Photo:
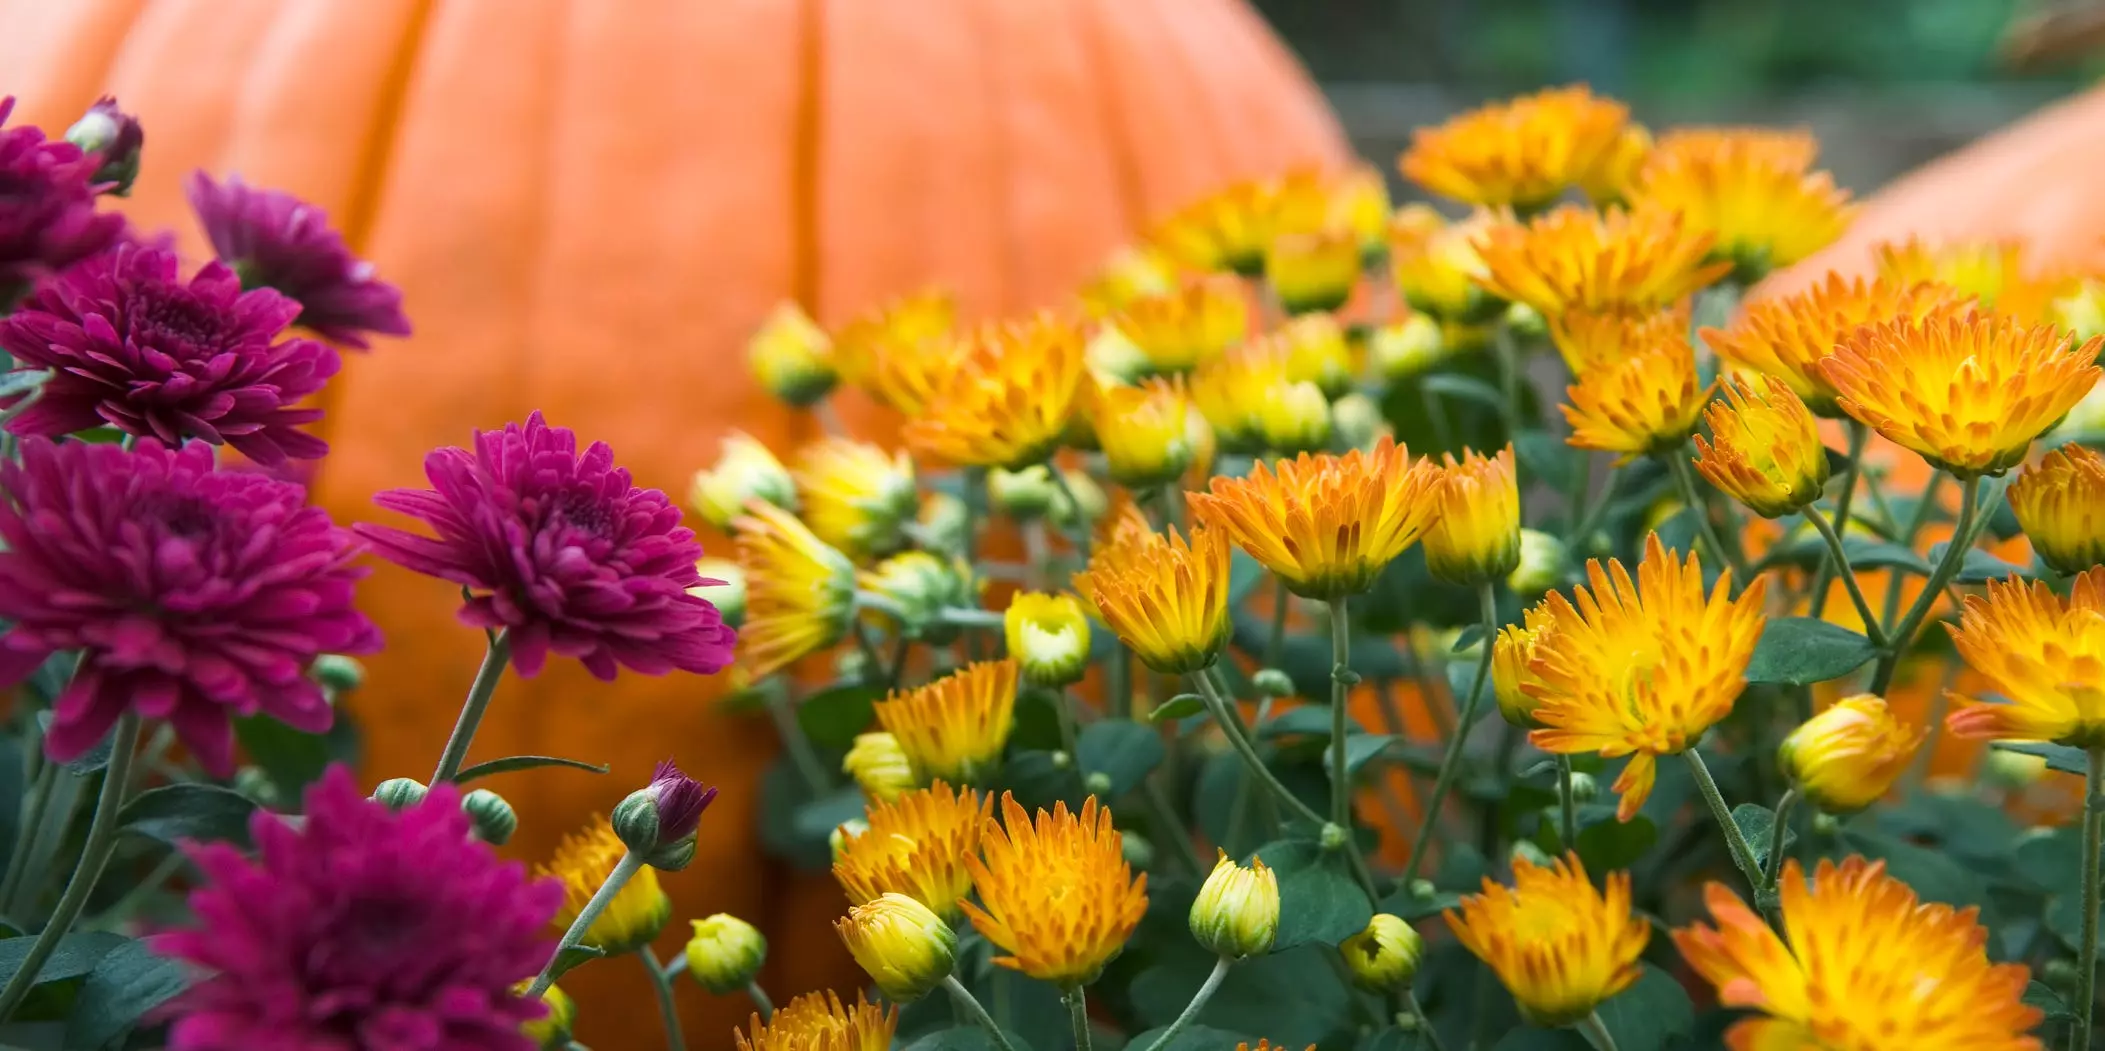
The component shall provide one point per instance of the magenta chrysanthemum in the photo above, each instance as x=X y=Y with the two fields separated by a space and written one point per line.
x=560 y=552
x=365 y=930
x=48 y=219
x=275 y=240
x=680 y=799
x=130 y=344
x=195 y=595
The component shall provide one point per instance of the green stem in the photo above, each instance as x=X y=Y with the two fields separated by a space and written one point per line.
x=1080 y=535
x=969 y=1004
x=661 y=981
x=798 y=746
x=630 y=864
x=1063 y=708
x=1779 y=833
x=471 y=712
x=970 y=618
x=1425 y=1025
x=1231 y=728
x=1838 y=560
x=1078 y=1016
x=1173 y=829
x=1198 y=1001
x=1595 y=510
x=1706 y=532
x=39 y=804
x=1925 y=505
x=1954 y=556
x=94 y=857
x=1341 y=679
x=1858 y=435
x=1451 y=764
x=1566 y=804
x=1735 y=841
x=2093 y=831
x=1597 y=1032
x=1118 y=681
x=761 y=1003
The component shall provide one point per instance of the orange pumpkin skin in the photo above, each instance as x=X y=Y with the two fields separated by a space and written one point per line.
x=589 y=206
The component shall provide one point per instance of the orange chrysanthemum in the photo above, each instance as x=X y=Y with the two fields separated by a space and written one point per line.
x=800 y=593
x=1524 y=152
x=901 y=352
x=1163 y=597
x=915 y=845
x=1142 y=430
x=1326 y=525
x=1750 y=190
x=820 y=1022
x=1436 y=265
x=1313 y=271
x=2060 y=502
x=1009 y=399
x=956 y=726
x=1578 y=259
x=2045 y=656
x=1474 y=536
x=1561 y=946
x=1863 y=966
x=1643 y=669
x=1788 y=337
x=1996 y=273
x=1179 y=330
x=1765 y=448
x=1513 y=664
x=1231 y=228
x=1966 y=390
x=1059 y=897
x=1645 y=402
x=1589 y=340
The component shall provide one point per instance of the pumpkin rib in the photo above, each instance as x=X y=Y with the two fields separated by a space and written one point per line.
x=1103 y=76
x=379 y=141
x=61 y=78
x=806 y=144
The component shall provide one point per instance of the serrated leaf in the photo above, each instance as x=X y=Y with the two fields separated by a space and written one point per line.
x=1182 y=706
x=832 y=717
x=1319 y=902
x=1800 y=651
x=514 y=763
x=125 y=985
x=189 y=812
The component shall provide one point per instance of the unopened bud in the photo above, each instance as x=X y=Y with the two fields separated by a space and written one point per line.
x=400 y=793
x=845 y=833
x=659 y=820
x=1237 y=911
x=1273 y=683
x=493 y=818
x=904 y=946
x=1525 y=321
x=1407 y=348
x=792 y=356
x=1583 y=787
x=1137 y=851
x=1385 y=955
x=551 y=1031
x=1543 y=560
x=115 y=137
x=728 y=595
x=881 y=767
x=338 y=673
x=1355 y=421
x=725 y=953
x=1097 y=783
x=1022 y=495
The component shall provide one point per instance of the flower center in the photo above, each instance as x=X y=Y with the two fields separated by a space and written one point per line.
x=185 y=515
x=583 y=512
x=174 y=322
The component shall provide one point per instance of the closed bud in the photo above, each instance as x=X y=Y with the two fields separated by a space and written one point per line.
x=1407 y=348
x=2056 y=501
x=1847 y=757
x=1272 y=682
x=1048 y=636
x=1022 y=495
x=881 y=767
x=1475 y=537
x=1513 y=678
x=1584 y=787
x=551 y=1031
x=1385 y=956
x=746 y=470
x=1356 y=422
x=1296 y=420
x=1543 y=562
x=851 y=665
x=493 y=817
x=2007 y=769
x=1764 y=448
x=400 y=793
x=659 y=820
x=728 y=590
x=1826 y=824
x=338 y=673
x=903 y=946
x=1114 y=354
x=115 y=137
x=1088 y=505
x=1526 y=322
x=1313 y=271
x=792 y=356
x=1097 y=783
x=940 y=526
x=919 y=586
x=845 y=833
x=1144 y=432
x=725 y=953
x=253 y=783
x=1237 y=911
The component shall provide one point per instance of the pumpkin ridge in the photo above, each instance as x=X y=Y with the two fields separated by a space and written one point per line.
x=804 y=154
x=1104 y=75
x=379 y=146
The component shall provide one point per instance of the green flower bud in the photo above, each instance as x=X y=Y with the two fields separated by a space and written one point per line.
x=1543 y=561
x=399 y=793
x=729 y=597
x=1272 y=682
x=1022 y=495
x=1407 y=348
x=551 y=1032
x=1583 y=787
x=1097 y=783
x=338 y=673
x=920 y=586
x=1355 y=421
x=725 y=953
x=494 y=819
x=940 y=528
x=1526 y=322
x=1385 y=956
x=1138 y=852
x=117 y=137
x=1237 y=911
x=1088 y=505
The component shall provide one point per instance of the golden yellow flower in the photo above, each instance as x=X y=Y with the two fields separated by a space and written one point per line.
x=1385 y=955
x=915 y=845
x=1642 y=669
x=1750 y=190
x=1968 y=391
x=1294 y=420
x=581 y=864
x=1313 y=271
x=1575 y=258
x=792 y=356
x=724 y=953
x=1008 y=401
x=551 y=1031
x=745 y=470
x=1165 y=598
x=1130 y=273
x=956 y=726
x=2060 y=502
x=1524 y=152
x=1513 y=679
x=1232 y=390
x=1316 y=350
x=1846 y=758
x=1474 y=537
x=1787 y=337
x=1186 y=327
x=1142 y=431
x=800 y=593
x=1326 y=525
x=1561 y=946
x=1359 y=202
x=820 y=1022
x=1436 y=265
x=1231 y=228
x=1610 y=180
x=1863 y=966
x=1765 y=448
x=1409 y=347
x=1996 y=273
x=856 y=496
x=880 y=767
x=1646 y=402
x=1589 y=340
x=1059 y=897
x=1236 y=913
x=905 y=948
x=902 y=351
x=2045 y=656
x=1048 y=635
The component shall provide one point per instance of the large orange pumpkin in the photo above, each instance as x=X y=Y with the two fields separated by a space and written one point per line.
x=589 y=205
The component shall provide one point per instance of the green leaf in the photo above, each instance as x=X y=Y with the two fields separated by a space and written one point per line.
x=1360 y=749
x=76 y=955
x=1467 y=638
x=2043 y=996
x=1609 y=845
x=794 y=824
x=1182 y=706
x=832 y=717
x=1650 y=1015
x=2059 y=757
x=1412 y=907
x=509 y=764
x=1310 y=720
x=125 y=985
x=1392 y=1039
x=1758 y=824
x=1800 y=651
x=1120 y=750
x=1979 y=567
x=961 y=1038
x=573 y=958
x=1193 y=1038
x=294 y=759
x=1468 y=388
x=1864 y=552
x=1545 y=457
x=1933 y=874
x=1318 y=899
x=189 y=811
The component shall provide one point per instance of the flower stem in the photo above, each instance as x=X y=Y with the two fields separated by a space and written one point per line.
x=94 y=857
x=1592 y=516
x=1198 y=1001
x=2093 y=831
x=1772 y=869
x=1425 y=1025
x=1597 y=1032
x=1218 y=705
x=970 y=618
x=1735 y=841
x=32 y=819
x=630 y=863
x=1451 y=764
x=1341 y=680
x=1508 y=374
x=661 y=981
x=1568 y=806
x=809 y=769
x=970 y=1005
x=1078 y=1016
x=1080 y=535
x=471 y=712
x=1858 y=435
x=1902 y=637
x=1706 y=532
x=761 y=1003
x=1839 y=560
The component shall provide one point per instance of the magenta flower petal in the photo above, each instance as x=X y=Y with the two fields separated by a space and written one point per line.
x=275 y=240
x=48 y=219
x=681 y=800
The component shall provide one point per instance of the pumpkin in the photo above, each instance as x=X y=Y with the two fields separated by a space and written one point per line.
x=590 y=205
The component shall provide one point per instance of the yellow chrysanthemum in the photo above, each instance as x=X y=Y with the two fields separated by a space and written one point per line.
x=1561 y=946
x=1231 y=392
x=1009 y=399
x=2045 y=656
x=1165 y=598
x=1765 y=448
x=915 y=845
x=1359 y=202
x=1182 y=329
x=1642 y=669
x=1231 y=228
x=1863 y=965
x=2060 y=502
x=1590 y=340
x=1525 y=152
x=880 y=767
x=1994 y=272
x=1474 y=536
x=820 y=1022
x=1130 y=273
x=1313 y=271
x=856 y=496
x=1513 y=679
x=1787 y=337
x=800 y=593
x=1316 y=350
x=1236 y=913
x=1748 y=189
x=1610 y=180
x=1436 y=265
x=1647 y=402
x=1575 y=258
x=902 y=351
x=581 y=864
x=1048 y=635
x=1966 y=390
x=1142 y=431
x=905 y=948
x=1059 y=897
x=956 y=726
x=745 y=470
x=1847 y=757
x=792 y=356
x=1326 y=525
x=1295 y=420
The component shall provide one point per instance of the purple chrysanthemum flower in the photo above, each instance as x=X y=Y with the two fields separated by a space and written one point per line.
x=130 y=344
x=365 y=930
x=275 y=240
x=560 y=552
x=681 y=800
x=48 y=219
x=195 y=595
x=114 y=138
